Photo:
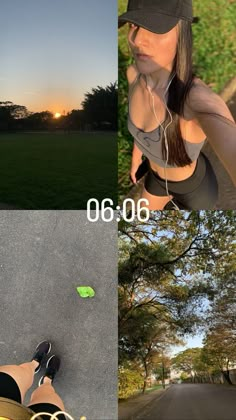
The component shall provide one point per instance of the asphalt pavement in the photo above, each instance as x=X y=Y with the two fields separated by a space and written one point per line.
x=44 y=256
x=129 y=409
x=192 y=402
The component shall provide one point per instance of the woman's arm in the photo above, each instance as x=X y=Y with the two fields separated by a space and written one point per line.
x=215 y=119
x=136 y=162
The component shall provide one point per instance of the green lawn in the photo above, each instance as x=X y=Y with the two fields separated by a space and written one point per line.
x=154 y=388
x=57 y=171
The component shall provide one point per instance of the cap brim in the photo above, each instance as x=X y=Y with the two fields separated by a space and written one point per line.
x=153 y=22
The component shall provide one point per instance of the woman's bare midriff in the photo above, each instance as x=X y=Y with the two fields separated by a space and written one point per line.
x=174 y=174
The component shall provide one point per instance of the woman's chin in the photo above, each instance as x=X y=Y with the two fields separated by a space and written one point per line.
x=146 y=68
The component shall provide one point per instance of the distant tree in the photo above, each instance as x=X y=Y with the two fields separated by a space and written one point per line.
x=5 y=118
x=162 y=368
x=223 y=308
x=183 y=376
x=130 y=380
x=100 y=107
x=16 y=111
x=39 y=120
x=148 y=341
x=10 y=114
x=219 y=351
x=187 y=361
x=75 y=120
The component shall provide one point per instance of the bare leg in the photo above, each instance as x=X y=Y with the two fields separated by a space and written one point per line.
x=156 y=202
x=45 y=393
x=23 y=375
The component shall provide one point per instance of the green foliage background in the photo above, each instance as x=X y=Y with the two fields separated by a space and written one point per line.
x=130 y=382
x=214 y=59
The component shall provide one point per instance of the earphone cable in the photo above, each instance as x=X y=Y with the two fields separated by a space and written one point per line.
x=165 y=137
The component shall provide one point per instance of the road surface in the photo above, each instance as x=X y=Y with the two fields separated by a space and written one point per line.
x=193 y=402
x=44 y=256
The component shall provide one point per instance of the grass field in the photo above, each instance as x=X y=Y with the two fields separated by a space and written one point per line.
x=57 y=171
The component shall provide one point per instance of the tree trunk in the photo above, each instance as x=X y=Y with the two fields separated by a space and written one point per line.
x=163 y=376
x=146 y=377
x=144 y=385
x=210 y=379
x=226 y=376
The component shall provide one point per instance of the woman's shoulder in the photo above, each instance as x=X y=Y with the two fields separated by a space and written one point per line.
x=132 y=73
x=201 y=91
x=202 y=99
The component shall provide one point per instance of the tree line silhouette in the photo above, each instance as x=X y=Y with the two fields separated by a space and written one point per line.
x=99 y=112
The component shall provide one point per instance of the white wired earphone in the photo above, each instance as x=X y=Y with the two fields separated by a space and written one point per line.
x=164 y=132
x=55 y=416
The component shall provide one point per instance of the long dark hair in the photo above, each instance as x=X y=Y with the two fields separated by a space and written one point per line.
x=178 y=91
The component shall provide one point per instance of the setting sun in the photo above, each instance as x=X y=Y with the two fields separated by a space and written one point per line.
x=57 y=115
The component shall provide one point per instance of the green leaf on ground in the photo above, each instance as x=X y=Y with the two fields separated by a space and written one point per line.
x=85 y=291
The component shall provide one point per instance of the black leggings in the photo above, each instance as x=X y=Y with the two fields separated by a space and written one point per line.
x=198 y=192
x=9 y=389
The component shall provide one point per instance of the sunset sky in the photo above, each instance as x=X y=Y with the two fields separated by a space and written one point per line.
x=54 y=51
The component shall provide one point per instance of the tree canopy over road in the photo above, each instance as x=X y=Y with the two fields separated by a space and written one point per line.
x=175 y=277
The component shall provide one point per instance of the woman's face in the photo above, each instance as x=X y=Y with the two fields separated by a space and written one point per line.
x=152 y=51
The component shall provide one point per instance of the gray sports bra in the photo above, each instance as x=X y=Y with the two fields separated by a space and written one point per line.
x=151 y=145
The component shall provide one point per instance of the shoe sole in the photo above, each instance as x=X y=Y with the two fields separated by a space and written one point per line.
x=50 y=346
x=49 y=360
x=42 y=377
x=41 y=380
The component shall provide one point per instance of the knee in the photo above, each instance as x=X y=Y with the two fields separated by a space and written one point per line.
x=12 y=370
x=44 y=389
x=46 y=394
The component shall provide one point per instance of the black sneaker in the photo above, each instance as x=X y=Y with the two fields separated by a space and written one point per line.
x=52 y=367
x=41 y=352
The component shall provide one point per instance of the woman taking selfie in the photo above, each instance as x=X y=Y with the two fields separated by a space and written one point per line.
x=171 y=111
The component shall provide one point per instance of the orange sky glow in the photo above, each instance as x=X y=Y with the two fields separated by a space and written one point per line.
x=61 y=105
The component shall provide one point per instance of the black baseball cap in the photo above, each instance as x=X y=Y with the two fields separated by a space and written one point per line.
x=158 y=16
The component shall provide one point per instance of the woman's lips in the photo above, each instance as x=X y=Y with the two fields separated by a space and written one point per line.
x=143 y=57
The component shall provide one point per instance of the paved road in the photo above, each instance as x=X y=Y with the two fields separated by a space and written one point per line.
x=193 y=402
x=44 y=255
